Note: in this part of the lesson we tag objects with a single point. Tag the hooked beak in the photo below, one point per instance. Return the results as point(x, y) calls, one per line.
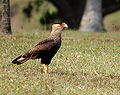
point(65, 25)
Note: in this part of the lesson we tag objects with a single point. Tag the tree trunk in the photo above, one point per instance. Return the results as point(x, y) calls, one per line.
point(110, 6)
point(71, 11)
point(6, 23)
point(92, 20)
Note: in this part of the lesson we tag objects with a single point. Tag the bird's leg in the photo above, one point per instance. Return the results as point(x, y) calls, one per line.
point(45, 68)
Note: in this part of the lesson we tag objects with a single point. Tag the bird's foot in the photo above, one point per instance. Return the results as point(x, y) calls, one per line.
point(45, 68)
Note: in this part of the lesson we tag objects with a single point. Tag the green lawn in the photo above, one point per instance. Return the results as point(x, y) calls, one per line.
point(86, 64)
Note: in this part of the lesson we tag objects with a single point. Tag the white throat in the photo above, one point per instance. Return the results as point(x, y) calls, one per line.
point(56, 33)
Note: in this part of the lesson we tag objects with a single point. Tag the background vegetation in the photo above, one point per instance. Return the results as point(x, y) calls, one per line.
point(42, 13)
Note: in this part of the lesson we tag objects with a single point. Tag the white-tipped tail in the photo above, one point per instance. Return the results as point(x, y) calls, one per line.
point(19, 60)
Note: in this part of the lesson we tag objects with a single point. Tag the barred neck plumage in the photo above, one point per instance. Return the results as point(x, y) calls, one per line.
point(56, 34)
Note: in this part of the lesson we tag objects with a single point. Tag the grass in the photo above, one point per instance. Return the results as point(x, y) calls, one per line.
point(86, 64)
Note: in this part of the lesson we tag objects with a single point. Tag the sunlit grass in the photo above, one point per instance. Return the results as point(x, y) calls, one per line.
point(86, 64)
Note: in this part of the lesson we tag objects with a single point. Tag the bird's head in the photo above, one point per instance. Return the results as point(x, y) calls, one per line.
point(59, 26)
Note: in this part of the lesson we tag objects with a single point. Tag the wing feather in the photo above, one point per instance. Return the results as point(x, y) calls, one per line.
point(40, 48)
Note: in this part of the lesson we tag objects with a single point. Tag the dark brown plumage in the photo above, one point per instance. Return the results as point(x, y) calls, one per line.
point(44, 50)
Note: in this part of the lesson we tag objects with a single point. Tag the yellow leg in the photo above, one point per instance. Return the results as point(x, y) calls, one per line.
point(45, 68)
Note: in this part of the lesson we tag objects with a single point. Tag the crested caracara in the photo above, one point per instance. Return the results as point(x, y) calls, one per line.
point(44, 50)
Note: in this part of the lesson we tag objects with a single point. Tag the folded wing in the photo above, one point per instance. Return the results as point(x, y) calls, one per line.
point(38, 51)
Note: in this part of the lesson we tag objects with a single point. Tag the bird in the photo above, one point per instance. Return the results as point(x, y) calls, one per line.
point(45, 49)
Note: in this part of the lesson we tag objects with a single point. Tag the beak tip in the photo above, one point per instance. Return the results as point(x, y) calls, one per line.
point(66, 25)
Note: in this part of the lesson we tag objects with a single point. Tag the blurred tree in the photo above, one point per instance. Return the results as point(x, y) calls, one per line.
point(38, 3)
point(92, 19)
point(110, 6)
point(6, 22)
point(72, 11)
point(28, 10)
point(49, 18)
point(0, 9)
point(0, 12)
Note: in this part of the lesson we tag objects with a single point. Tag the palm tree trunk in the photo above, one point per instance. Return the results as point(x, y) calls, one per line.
point(92, 20)
point(6, 23)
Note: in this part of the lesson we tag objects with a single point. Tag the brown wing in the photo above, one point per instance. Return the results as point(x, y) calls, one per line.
point(40, 48)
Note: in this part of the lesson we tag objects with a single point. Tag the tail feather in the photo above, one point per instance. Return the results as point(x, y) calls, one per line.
point(19, 60)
